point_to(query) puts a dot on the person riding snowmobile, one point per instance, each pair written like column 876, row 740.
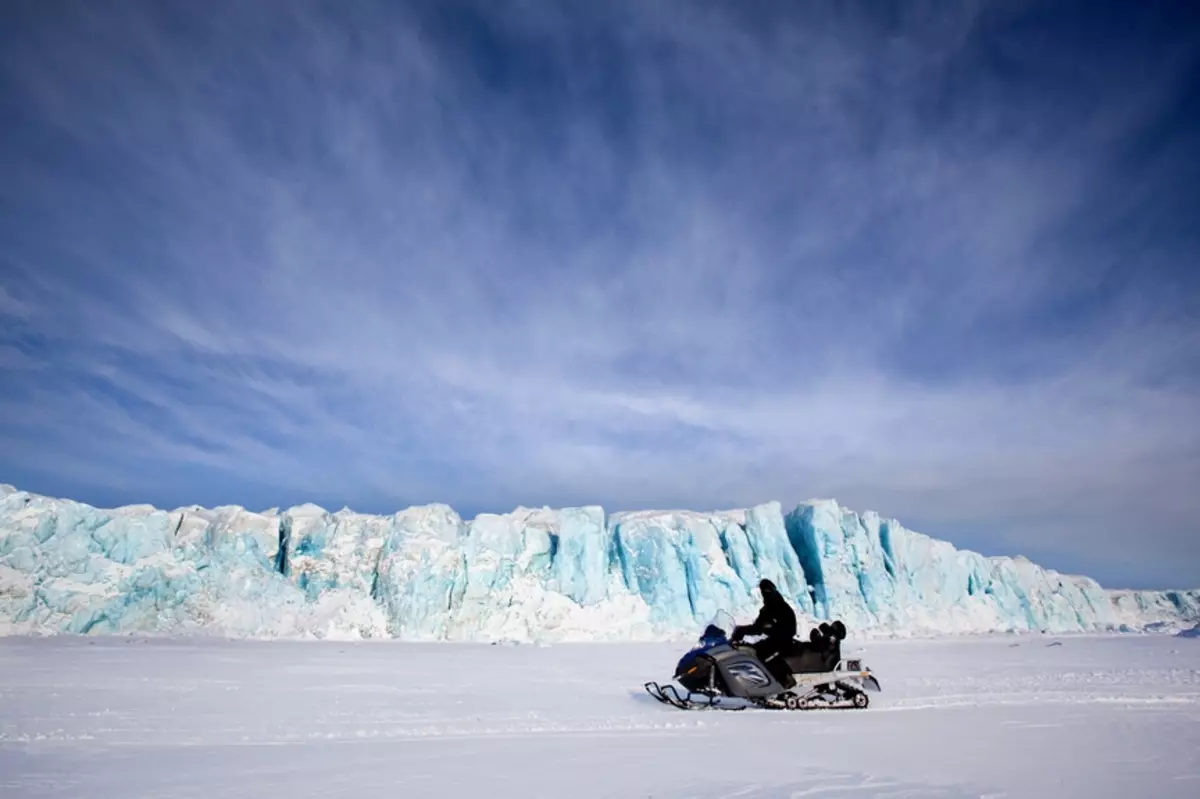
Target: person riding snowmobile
column 777, row 621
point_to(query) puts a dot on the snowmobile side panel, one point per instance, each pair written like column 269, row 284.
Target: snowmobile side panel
column 745, row 675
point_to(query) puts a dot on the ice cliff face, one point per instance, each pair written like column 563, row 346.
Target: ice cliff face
column 572, row 574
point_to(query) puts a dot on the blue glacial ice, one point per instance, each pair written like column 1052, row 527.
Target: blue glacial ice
column 425, row 573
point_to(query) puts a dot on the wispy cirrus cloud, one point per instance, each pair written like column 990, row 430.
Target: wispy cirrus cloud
column 665, row 254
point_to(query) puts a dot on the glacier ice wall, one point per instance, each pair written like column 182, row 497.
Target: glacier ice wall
column 425, row 573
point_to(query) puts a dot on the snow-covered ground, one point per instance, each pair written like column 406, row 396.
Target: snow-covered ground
column 1005, row 716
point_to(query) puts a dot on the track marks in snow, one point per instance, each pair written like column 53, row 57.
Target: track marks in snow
column 1056, row 679
column 1017, row 699
column 819, row 784
column 159, row 731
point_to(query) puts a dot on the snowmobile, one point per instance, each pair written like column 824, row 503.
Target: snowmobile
column 729, row 675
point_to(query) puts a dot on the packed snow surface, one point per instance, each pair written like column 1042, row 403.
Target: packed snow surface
column 534, row 574
column 1007, row 716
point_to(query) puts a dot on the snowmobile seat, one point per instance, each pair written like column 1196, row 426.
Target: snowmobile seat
column 832, row 654
column 834, row 635
column 822, row 652
column 806, row 660
column 805, row 657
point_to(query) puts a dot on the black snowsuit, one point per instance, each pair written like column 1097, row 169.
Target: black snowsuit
column 777, row 621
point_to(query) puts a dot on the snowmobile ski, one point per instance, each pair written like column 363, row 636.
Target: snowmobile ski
column 693, row 700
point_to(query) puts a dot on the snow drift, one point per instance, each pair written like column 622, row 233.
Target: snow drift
column 534, row 574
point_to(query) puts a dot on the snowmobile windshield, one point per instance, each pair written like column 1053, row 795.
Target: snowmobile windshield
column 718, row 629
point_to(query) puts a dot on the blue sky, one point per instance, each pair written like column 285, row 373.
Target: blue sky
column 935, row 260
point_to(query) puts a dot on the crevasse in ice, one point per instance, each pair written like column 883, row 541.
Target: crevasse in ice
column 425, row 573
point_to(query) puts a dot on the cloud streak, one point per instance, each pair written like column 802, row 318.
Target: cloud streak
column 672, row 254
